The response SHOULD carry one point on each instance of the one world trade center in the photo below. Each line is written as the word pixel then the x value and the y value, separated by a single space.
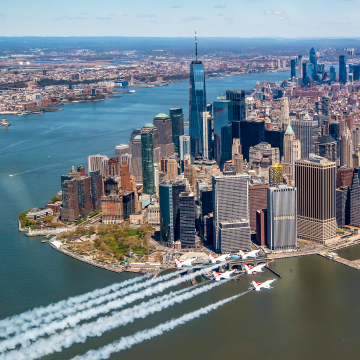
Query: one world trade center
pixel 197 104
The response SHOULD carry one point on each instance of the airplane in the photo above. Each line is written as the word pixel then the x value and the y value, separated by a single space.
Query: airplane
pixel 252 254
pixel 217 259
pixel 225 275
pixel 265 285
pixel 181 263
pixel 256 269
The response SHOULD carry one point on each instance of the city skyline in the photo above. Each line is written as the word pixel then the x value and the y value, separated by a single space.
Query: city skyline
pixel 181 18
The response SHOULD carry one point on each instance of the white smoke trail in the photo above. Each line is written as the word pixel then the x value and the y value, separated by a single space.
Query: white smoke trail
pixel 39 316
pixel 26 338
pixel 6 325
pixel 129 341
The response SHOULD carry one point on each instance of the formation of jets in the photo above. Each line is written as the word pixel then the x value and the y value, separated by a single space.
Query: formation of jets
pixel 225 275
pixel 254 269
pixel 265 285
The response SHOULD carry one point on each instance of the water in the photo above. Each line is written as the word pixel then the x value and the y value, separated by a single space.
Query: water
pixel 350 253
pixel 312 311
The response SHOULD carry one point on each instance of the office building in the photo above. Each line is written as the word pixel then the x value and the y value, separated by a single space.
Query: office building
pixel 98 162
pixel 207 136
pixel 264 150
pixel 164 126
pixel 324 110
pixel 299 64
pixel 197 104
pixel 355 199
pixel 177 121
pixel 346 148
pixel 120 150
pixel 313 61
pixel 238 162
pixel 70 209
pixel 222 130
pixel 275 175
pixel 343 206
pixel 111 185
pixel 276 139
pixel 231 212
pixel 169 200
pixel 316 203
pixel 326 147
pixel 190 175
pixel 125 177
pixel 257 201
pixel 184 146
pixel 281 217
pixel 332 73
pixel 344 176
pixel 342 69
pixel 237 111
pixel 113 168
pixel 255 134
pixel 136 158
pixel 171 170
pixel 306 131
pixel 112 209
pixel 356 72
pixel 128 198
pixel 96 189
pixel 187 219
pixel 292 69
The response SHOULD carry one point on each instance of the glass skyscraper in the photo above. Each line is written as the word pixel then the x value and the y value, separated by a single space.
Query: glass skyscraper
pixel 197 104
pixel 342 69
pixel 222 130
pixel 177 121
pixel 313 61
pixel 237 110
pixel 147 154
pixel 292 67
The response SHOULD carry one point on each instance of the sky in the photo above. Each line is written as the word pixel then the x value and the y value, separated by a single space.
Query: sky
pixel 180 18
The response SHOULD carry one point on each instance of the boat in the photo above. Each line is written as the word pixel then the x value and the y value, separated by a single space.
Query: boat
pixel 43 241
pixel 132 91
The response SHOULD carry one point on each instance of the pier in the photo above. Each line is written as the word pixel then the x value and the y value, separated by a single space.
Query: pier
pixel 273 271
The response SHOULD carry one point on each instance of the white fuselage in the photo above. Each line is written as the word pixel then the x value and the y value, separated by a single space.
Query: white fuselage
pixel 251 254
pixel 265 285
pixel 225 275
pixel 256 269
pixel 185 263
pixel 218 259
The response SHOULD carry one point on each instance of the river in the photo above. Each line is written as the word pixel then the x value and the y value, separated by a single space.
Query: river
pixel 313 311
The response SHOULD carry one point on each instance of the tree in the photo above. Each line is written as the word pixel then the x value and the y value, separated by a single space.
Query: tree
pixel 55 198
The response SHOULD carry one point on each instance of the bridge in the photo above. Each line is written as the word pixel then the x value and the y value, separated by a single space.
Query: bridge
pixel 239 263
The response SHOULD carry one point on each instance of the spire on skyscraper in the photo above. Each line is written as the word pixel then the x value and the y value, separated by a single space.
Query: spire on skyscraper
pixel 196 53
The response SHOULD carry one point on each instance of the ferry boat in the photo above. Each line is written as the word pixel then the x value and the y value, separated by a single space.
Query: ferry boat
pixel 132 91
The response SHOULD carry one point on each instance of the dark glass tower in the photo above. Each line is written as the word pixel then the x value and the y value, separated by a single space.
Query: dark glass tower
pixel 222 131
pixel 304 65
pixel 197 104
pixel 237 110
pixel 342 69
pixel 147 154
pixel 292 67
pixel 313 61
pixel 332 73
pixel 356 73
pixel 177 120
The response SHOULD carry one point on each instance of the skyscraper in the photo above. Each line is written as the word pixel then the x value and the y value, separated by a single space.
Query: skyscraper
pixel 275 174
pixel 299 64
pixel 98 162
pixel 96 189
pixel 281 217
pixel 343 206
pixel 316 203
pixel 169 199
pixel 136 158
pixel 237 111
pixel 231 212
pixel 324 110
pixel 255 134
pixel 342 69
pixel 197 103
pixel 121 150
pixel 332 73
pixel 164 126
pixel 326 147
pixel 177 121
pixel 149 144
pixel 355 199
pixel 292 69
pixel 184 146
pixel 187 219
pixel 222 130
pixel 284 114
pixel 292 152
pixel 346 148
pixel 356 73
pixel 307 132
pixel 313 61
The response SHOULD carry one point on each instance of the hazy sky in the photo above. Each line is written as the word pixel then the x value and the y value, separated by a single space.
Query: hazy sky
pixel 232 18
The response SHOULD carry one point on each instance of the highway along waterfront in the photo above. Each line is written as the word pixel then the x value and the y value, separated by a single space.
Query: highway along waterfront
pixel 313 309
